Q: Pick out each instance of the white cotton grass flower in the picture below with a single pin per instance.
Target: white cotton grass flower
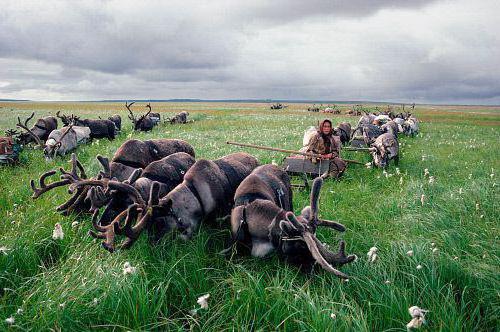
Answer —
(387, 282)
(432, 179)
(74, 224)
(460, 191)
(20, 311)
(333, 315)
(129, 269)
(4, 250)
(57, 233)
(203, 301)
(419, 267)
(426, 172)
(477, 206)
(372, 254)
(368, 165)
(422, 199)
(492, 175)
(433, 244)
(418, 318)
(398, 172)
(409, 253)
(435, 250)
(11, 320)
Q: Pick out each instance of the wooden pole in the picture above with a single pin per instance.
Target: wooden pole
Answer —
(351, 148)
(307, 154)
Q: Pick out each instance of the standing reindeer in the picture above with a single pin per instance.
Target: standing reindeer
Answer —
(262, 221)
(98, 128)
(386, 148)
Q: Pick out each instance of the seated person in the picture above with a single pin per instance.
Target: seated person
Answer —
(328, 146)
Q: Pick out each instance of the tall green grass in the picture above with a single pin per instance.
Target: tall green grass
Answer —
(74, 284)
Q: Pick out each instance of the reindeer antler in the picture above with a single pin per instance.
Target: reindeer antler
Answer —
(319, 252)
(131, 233)
(314, 201)
(66, 178)
(11, 132)
(131, 116)
(25, 127)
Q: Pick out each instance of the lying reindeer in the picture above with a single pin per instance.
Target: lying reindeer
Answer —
(98, 128)
(41, 129)
(181, 117)
(155, 117)
(117, 120)
(262, 220)
(130, 156)
(64, 140)
(168, 172)
(60, 141)
(206, 193)
(144, 122)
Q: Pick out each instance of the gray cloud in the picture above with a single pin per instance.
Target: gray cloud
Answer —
(428, 51)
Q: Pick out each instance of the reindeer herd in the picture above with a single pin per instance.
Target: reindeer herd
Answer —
(54, 141)
(158, 186)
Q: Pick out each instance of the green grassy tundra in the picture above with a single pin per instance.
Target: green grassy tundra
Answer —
(73, 284)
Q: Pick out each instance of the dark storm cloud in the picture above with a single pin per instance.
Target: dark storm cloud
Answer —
(288, 10)
(378, 50)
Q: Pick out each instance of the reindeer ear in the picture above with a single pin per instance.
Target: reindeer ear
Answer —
(134, 176)
(293, 220)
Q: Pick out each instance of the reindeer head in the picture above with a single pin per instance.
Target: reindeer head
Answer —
(139, 211)
(66, 120)
(52, 145)
(299, 235)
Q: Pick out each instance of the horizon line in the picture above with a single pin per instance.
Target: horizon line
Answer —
(244, 100)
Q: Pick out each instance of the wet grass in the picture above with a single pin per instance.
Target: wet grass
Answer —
(73, 284)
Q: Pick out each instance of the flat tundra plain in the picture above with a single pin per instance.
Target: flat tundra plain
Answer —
(74, 284)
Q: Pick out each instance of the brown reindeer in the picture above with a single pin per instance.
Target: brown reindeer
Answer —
(263, 221)
(40, 130)
(130, 156)
(205, 194)
(144, 122)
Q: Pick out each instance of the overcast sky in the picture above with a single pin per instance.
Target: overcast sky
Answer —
(387, 50)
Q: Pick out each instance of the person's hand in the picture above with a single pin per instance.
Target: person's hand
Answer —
(327, 156)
